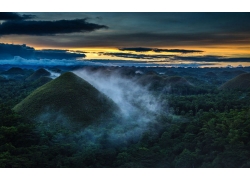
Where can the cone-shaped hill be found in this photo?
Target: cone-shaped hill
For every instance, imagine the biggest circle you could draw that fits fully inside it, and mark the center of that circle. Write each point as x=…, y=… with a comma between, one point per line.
x=14, y=71
x=178, y=81
x=239, y=82
x=157, y=82
x=41, y=81
x=37, y=74
x=70, y=95
x=210, y=75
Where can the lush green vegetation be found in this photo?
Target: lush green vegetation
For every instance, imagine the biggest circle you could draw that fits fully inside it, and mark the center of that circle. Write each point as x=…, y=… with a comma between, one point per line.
x=78, y=100
x=240, y=82
x=206, y=127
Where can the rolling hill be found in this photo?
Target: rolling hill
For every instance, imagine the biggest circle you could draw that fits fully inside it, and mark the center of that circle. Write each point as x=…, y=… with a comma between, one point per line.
x=14, y=71
x=210, y=75
x=71, y=96
x=38, y=74
x=156, y=82
x=239, y=82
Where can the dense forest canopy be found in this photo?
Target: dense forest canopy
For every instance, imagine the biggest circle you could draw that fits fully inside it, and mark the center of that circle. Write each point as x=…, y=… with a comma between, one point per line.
x=186, y=121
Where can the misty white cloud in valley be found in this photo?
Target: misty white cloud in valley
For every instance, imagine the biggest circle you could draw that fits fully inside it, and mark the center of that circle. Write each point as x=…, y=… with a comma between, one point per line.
x=139, y=108
x=53, y=74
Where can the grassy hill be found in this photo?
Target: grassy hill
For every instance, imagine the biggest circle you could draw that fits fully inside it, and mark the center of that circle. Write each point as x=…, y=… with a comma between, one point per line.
x=69, y=94
x=37, y=74
x=177, y=80
x=41, y=81
x=210, y=75
x=156, y=82
x=14, y=71
x=239, y=82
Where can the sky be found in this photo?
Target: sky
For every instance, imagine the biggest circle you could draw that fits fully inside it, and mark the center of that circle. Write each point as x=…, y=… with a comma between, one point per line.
x=163, y=38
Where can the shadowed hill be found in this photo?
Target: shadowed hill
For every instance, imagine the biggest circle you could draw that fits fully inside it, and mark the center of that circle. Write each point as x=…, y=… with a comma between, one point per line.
x=240, y=82
x=70, y=95
x=14, y=71
x=36, y=75
x=153, y=82
x=231, y=74
x=177, y=80
x=41, y=81
x=156, y=82
x=210, y=75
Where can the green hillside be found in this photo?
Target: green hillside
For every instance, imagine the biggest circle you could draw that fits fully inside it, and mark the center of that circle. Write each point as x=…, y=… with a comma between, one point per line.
x=39, y=73
x=70, y=95
x=14, y=71
x=239, y=82
x=156, y=82
x=41, y=81
x=177, y=80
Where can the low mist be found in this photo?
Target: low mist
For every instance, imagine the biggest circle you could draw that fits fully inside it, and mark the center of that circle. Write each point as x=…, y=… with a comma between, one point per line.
x=139, y=107
x=140, y=113
x=53, y=74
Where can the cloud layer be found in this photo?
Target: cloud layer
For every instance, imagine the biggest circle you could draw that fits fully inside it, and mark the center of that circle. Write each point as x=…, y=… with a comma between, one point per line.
x=14, y=16
x=142, y=49
x=135, y=56
x=48, y=27
x=9, y=51
x=175, y=58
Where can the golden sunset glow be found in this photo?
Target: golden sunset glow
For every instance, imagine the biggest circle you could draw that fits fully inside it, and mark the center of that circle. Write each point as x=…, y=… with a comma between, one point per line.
x=185, y=39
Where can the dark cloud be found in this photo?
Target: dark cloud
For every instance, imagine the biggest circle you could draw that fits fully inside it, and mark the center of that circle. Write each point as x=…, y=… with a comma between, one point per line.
x=135, y=56
x=141, y=39
x=183, y=51
x=57, y=54
x=137, y=49
x=173, y=58
x=211, y=59
x=48, y=27
x=9, y=51
x=14, y=16
x=177, y=30
x=141, y=49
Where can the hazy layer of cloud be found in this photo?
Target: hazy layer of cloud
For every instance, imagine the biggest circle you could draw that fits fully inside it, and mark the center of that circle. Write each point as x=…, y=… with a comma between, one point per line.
x=48, y=27
x=139, y=113
x=14, y=16
x=139, y=108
